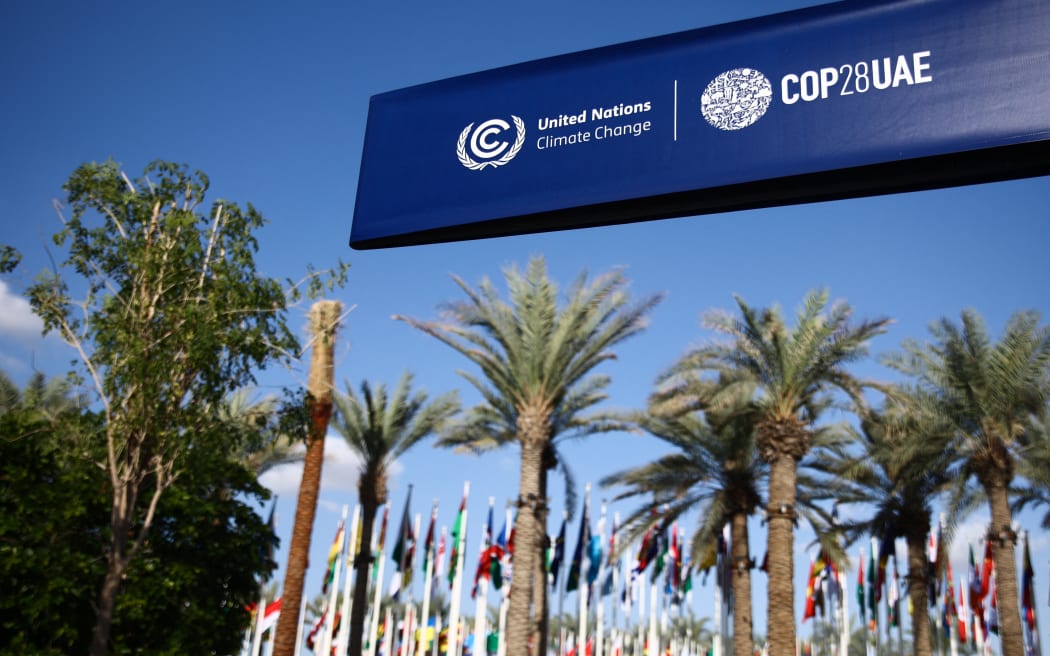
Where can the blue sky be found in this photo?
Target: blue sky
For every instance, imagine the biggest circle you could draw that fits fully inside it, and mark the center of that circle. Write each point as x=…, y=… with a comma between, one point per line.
x=271, y=102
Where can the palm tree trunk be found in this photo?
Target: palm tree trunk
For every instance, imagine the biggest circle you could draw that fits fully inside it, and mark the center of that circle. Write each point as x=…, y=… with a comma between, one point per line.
x=526, y=535
x=360, y=602
x=917, y=587
x=324, y=317
x=1005, y=567
x=781, y=554
x=743, y=639
x=540, y=598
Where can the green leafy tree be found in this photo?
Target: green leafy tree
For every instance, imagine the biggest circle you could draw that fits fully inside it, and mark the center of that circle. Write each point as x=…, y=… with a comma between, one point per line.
x=186, y=590
x=51, y=532
x=380, y=427
x=902, y=465
x=796, y=369
x=164, y=307
x=536, y=360
x=991, y=393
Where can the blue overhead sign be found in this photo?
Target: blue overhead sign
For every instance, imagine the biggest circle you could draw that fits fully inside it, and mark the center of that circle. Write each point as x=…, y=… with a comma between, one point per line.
x=840, y=100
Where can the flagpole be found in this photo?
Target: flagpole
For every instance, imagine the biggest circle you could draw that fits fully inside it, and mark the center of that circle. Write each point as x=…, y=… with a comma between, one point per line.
x=654, y=644
x=378, y=593
x=560, y=585
x=615, y=569
x=897, y=601
x=428, y=581
x=501, y=649
x=333, y=594
x=504, y=605
x=257, y=633
x=716, y=639
x=342, y=642
x=388, y=631
x=581, y=589
x=1035, y=642
x=481, y=606
x=457, y=581
x=261, y=610
x=299, y=631
x=844, y=614
x=599, y=630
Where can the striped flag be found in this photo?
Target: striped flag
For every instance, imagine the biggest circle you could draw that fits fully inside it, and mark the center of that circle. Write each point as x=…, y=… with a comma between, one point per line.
x=333, y=558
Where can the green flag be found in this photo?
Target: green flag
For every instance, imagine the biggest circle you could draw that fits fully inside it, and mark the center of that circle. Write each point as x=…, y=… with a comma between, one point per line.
x=457, y=530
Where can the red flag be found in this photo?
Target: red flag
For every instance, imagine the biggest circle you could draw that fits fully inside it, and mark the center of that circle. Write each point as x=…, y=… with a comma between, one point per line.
x=987, y=569
x=811, y=602
x=1028, y=590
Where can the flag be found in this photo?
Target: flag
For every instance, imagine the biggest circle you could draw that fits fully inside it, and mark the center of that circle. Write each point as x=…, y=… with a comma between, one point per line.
x=811, y=583
x=502, y=541
x=987, y=568
x=270, y=615
x=724, y=566
x=687, y=583
x=311, y=638
x=950, y=609
x=457, y=531
x=645, y=550
x=439, y=557
x=893, y=606
x=403, y=552
x=860, y=587
x=662, y=551
x=872, y=575
x=993, y=610
x=607, y=583
x=886, y=548
x=674, y=569
x=428, y=541
x=582, y=543
x=976, y=601
x=1028, y=591
x=594, y=558
x=489, y=565
x=271, y=526
x=333, y=557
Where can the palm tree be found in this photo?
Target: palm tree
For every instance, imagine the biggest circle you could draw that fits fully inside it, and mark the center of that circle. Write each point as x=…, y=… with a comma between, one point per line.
x=795, y=370
x=535, y=360
x=990, y=393
x=380, y=428
x=714, y=470
x=901, y=467
x=1034, y=466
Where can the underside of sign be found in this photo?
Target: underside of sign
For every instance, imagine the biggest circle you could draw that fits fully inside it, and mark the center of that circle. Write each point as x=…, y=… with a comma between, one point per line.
x=837, y=101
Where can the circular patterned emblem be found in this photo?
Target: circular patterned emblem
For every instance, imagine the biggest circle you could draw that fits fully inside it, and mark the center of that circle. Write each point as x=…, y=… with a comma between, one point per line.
x=480, y=147
x=736, y=99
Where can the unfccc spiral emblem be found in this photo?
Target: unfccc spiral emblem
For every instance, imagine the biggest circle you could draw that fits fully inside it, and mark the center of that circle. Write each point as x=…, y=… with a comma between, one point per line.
x=483, y=146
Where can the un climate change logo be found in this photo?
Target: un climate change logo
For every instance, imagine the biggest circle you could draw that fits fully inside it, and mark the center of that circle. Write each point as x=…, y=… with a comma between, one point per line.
x=485, y=148
x=736, y=99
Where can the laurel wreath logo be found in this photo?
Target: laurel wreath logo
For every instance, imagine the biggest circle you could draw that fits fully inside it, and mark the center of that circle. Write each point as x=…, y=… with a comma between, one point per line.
x=465, y=159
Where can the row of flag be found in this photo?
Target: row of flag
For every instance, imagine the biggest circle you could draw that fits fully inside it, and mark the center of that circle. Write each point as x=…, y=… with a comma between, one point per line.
x=968, y=612
x=601, y=565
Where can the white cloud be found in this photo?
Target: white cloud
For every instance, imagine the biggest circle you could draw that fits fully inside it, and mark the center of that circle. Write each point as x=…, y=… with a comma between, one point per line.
x=338, y=474
x=17, y=320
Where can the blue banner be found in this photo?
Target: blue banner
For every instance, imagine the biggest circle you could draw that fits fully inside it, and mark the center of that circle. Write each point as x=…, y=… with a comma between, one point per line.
x=845, y=99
